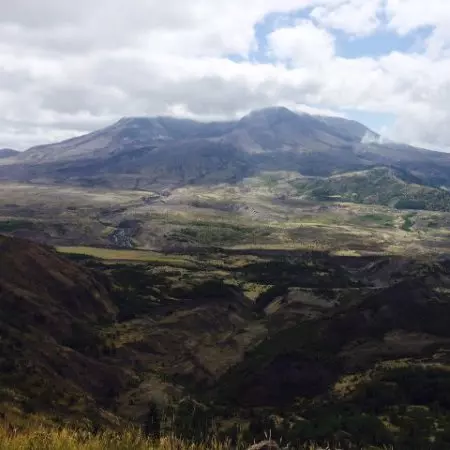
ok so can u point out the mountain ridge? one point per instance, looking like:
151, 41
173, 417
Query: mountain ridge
8, 152
163, 128
164, 152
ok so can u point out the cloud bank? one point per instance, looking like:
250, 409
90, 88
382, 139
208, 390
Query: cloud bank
71, 67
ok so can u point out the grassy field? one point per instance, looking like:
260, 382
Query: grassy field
65, 439
119, 255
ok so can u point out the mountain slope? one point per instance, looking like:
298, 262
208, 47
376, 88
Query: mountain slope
129, 133
78, 343
333, 348
279, 129
50, 311
162, 152
369, 371
264, 130
8, 152
380, 185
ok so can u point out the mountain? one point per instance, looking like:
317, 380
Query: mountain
279, 129
163, 153
8, 152
149, 151
127, 134
264, 130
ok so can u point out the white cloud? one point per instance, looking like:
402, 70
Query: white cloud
358, 17
406, 16
198, 26
305, 44
70, 67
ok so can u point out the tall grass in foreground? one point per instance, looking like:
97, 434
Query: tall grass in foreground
42, 438
66, 439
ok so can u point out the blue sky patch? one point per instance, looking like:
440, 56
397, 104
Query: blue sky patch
373, 120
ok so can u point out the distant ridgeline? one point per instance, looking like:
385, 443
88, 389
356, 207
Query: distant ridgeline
351, 162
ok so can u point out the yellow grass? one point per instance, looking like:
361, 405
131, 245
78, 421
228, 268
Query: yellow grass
109, 254
66, 439
346, 253
282, 247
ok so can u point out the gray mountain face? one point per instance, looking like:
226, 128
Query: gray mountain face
143, 152
8, 152
127, 134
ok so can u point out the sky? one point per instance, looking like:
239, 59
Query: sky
70, 67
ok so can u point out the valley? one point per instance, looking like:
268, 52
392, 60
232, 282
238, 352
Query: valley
274, 273
314, 346
247, 215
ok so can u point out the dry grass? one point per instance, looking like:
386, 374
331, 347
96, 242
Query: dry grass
65, 439
109, 254
42, 438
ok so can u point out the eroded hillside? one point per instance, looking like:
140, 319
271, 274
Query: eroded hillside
316, 346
